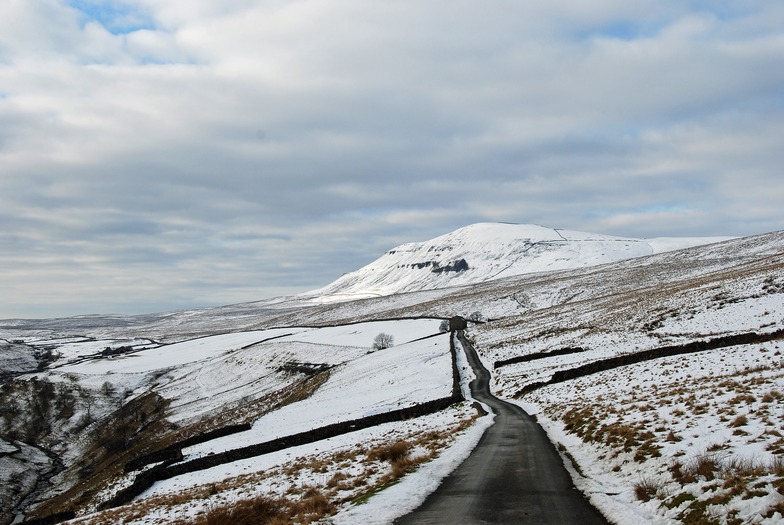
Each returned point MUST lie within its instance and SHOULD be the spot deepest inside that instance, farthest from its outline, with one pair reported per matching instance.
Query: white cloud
(182, 148)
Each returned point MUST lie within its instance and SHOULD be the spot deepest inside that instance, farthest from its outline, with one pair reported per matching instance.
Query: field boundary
(745, 338)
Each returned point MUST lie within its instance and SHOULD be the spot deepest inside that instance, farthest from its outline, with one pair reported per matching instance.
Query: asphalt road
(514, 475)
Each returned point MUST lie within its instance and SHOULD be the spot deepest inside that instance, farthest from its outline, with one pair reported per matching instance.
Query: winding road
(513, 476)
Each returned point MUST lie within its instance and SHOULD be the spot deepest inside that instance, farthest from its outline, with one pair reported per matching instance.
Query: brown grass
(739, 421)
(355, 472)
(773, 395)
(258, 511)
(100, 467)
(392, 453)
(265, 510)
(729, 477)
(646, 489)
(623, 437)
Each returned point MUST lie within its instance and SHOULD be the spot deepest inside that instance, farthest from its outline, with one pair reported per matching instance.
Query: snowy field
(204, 376)
(347, 467)
(362, 488)
(170, 356)
(718, 416)
(697, 438)
(368, 384)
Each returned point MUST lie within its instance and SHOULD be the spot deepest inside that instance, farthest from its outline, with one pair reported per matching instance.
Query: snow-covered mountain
(694, 338)
(486, 251)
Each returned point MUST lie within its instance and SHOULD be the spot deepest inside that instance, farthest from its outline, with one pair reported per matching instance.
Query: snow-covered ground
(206, 375)
(364, 382)
(168, 356)
(697, 436)
(394, 501)
(669, 440)
(365, 385)
(632, 425)
(342, 467)
(487, 251)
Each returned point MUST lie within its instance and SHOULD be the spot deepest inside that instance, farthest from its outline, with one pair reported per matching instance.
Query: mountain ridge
(485, 251)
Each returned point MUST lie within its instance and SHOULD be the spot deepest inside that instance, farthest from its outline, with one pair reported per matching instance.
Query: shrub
(383, 341)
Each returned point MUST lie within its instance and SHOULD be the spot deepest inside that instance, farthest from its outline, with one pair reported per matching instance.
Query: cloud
(190, 153)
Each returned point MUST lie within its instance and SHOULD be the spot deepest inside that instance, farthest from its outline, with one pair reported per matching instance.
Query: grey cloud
(257, 147)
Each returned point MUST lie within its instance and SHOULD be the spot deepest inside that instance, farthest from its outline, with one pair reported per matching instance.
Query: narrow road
(514, 476)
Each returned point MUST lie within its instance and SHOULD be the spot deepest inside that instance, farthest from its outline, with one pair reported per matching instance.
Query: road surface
(514, 475)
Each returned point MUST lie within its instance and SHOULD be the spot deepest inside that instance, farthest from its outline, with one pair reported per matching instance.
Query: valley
(671, 439)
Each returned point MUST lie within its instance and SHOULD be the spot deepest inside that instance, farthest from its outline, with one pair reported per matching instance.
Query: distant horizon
(164, 155)
(711, 238)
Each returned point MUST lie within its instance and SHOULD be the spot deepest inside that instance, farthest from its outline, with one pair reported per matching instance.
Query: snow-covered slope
(486, 251)
(293, 364)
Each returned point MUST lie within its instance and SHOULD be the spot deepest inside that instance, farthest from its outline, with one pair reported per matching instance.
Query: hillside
(487, 251)
(690, 431)
(491, 251)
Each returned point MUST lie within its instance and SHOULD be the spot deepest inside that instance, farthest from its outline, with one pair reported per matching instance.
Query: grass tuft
(258, 511)
(646, 489)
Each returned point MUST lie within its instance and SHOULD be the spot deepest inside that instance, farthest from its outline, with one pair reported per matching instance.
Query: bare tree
(383, 341)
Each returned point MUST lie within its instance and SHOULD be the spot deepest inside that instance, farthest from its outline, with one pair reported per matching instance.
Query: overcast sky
(163, 154)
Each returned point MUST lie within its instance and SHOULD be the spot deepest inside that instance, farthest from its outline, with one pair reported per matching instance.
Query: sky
(167, 154)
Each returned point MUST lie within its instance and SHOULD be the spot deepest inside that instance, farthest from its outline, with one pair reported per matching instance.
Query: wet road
(514, 475)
